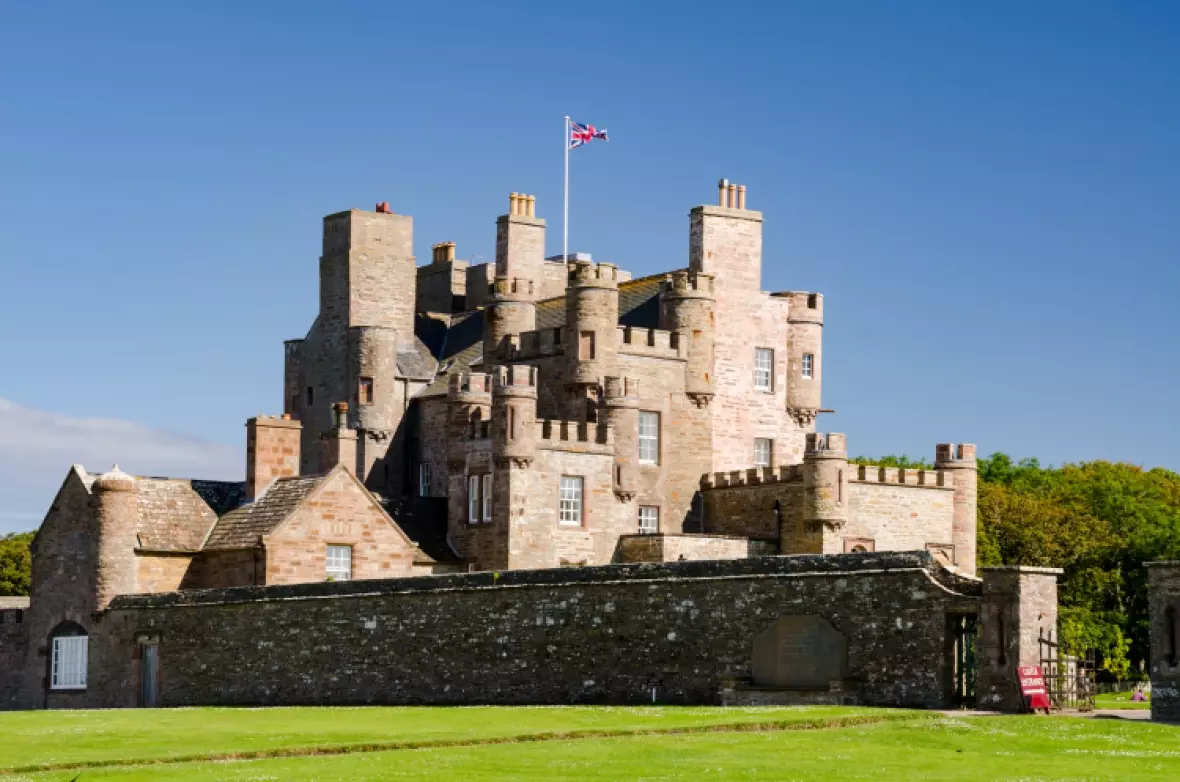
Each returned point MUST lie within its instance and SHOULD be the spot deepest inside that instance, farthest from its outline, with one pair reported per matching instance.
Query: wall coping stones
(1163, 563)
(803, 565)
(1048, 571)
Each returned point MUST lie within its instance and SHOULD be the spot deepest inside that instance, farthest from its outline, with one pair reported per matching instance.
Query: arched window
(859, 549)
(69, 657)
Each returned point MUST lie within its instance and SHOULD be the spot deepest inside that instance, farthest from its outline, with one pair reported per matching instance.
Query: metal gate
(149, 675)
(962, 633)
(1069, 675)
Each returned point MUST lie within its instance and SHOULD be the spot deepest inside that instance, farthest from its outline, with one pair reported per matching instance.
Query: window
(649, 437)
(339, 563)
(571, 500)
(763, 369)
(69, 662)
(763, 451)
(472, 499)
(364, 390)
(649, 519)
(586, 346)
(310, 396)
(487, 497)
(424, 479)
(808, 360)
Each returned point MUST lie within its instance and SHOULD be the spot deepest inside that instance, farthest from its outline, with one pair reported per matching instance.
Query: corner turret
(621, 411)
(514, 415)
(959, 460)
(825, 482)
(687, 305)
(116, 497)
(591, 323)
(805, 331)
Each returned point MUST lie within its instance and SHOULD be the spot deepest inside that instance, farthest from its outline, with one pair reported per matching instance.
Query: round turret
(117, 516)
(959, 460)
(688, 305)
(115, 480)
(514, 415)
(825, 479)
(621, 409)
(511, 310)
(591, 322)
(805, 330)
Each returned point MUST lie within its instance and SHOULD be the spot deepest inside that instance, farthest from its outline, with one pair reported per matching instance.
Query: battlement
(803, 306)
(468, 383)
(754, 476)
(589, 273)
(555, 433)
(512, 289)
(954, 452)
(656, 343)
(820, 442)
(686, 283)
(533, 344)
(515, 379)
(903, 476)
(620, 388)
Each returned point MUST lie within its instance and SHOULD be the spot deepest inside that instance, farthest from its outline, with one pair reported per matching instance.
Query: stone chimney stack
(338, 445)
(272, 452)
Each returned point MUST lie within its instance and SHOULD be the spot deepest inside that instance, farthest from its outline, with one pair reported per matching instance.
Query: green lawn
(899, 745)
(1119, 700)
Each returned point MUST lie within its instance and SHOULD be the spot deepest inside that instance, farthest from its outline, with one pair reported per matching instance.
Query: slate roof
(424, 520)
(176, 515)
(244, 526)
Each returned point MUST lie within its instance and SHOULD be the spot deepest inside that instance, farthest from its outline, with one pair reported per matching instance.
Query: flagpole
(565, 215)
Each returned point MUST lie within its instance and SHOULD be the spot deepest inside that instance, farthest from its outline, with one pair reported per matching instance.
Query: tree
(15, 563)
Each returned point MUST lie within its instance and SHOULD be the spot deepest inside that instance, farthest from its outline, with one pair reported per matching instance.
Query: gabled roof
(244, 527)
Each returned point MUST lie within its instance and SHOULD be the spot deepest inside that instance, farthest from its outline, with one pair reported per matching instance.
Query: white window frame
(769, 443)
(649, 519)
(338, 562)
(649, 437)
(486, 496)
(472, 499)
(807, 365)
(424, 479)
(764, 369)
(571, 501)
(71, 658)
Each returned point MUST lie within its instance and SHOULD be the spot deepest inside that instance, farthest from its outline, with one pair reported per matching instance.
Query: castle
(532, 414)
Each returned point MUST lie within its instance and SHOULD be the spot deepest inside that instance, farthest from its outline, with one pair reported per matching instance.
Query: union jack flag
(584, 134)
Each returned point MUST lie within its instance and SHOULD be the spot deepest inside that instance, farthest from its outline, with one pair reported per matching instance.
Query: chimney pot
(732, 196)
(741, 197)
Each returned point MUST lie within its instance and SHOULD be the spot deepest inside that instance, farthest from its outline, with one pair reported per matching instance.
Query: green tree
(15, 564)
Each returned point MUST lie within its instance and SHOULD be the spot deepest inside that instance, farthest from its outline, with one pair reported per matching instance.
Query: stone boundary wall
(14, 645)
(575, 635)
(1163, 612)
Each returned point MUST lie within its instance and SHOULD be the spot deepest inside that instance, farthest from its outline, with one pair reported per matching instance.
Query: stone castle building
(526, 414)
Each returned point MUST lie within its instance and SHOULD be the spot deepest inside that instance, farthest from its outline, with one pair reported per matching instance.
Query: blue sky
(987, 195)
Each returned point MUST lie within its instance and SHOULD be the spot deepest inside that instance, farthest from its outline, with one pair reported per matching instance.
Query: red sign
(1032, 687)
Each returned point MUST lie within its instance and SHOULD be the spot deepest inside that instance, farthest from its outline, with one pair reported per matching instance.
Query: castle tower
(520, 258)
(511, 309)
(376, 396)
(959, 461)
(825, 487)
(621, 406)
(514, 414)
(687, 307)
(339, 445)
(116, 497)
(805, 327)
(367, 272)
(591, 328)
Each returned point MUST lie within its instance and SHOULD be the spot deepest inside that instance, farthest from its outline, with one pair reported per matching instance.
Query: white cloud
(37, 447)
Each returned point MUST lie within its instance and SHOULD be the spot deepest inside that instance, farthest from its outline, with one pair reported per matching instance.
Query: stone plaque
(800, 652)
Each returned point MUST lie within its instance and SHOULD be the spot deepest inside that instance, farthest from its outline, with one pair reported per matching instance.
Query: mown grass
(977, 748)
(1118, 700)
(75, 739)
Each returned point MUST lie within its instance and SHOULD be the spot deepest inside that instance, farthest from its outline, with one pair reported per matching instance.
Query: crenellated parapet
(652, 343)
(588, 274)
(754, 476)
